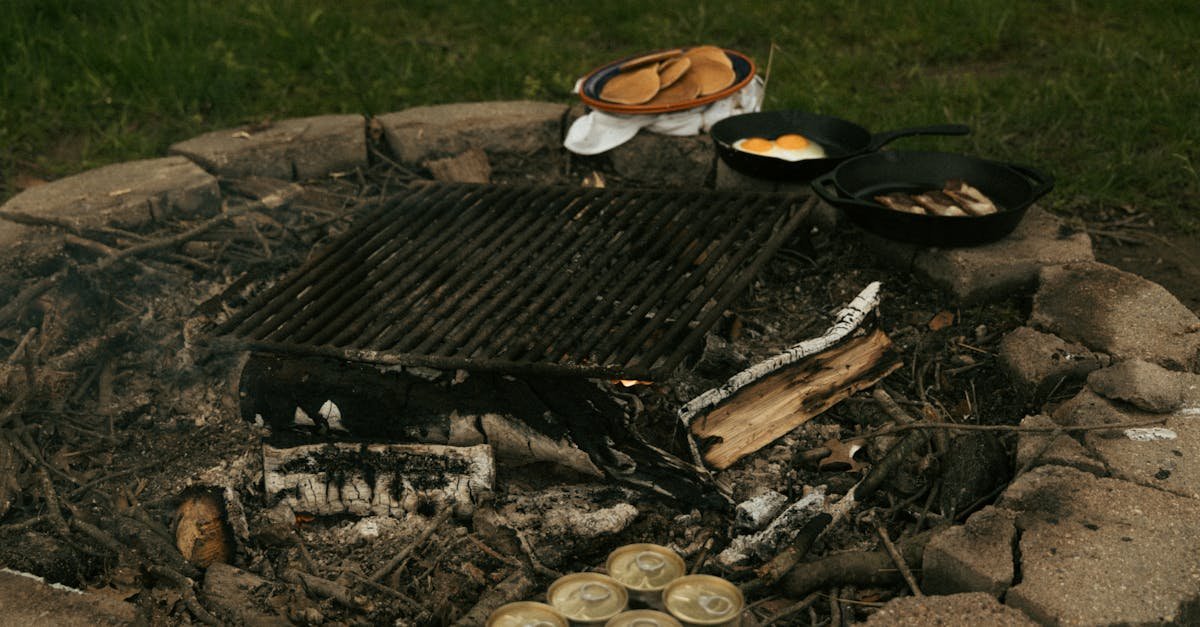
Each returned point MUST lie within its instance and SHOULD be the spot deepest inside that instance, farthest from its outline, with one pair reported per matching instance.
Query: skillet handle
(821, 185)
(879, 140)
(1042, 182)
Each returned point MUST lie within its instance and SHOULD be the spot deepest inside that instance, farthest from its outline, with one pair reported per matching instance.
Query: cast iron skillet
(852, 186)
(840, 139)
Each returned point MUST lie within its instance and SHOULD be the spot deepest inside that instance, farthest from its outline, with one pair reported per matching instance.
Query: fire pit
(133, 471)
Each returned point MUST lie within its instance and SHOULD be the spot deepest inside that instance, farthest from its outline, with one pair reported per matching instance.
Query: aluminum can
(526, 614)
(644, 570)
(642, 618)
(704, 600)
(587, 598)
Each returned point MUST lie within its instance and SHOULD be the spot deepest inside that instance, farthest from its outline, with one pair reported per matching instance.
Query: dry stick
(835, 608)
(186, 588)
(26, 295)
(860, 568)
(791, 610)
(22, 346)
(437, 521)
(324, 588)
(954, 426)
(899, 560)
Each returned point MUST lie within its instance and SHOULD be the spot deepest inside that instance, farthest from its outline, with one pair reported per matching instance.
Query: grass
(1103, 94)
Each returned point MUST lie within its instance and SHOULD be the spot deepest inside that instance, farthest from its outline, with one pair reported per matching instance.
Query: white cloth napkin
(598, 131)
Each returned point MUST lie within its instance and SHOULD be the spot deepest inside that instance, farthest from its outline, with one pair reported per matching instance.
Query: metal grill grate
(552, 280)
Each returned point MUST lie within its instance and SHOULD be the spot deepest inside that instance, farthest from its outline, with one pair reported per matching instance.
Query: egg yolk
(756, 144)
(792, 141)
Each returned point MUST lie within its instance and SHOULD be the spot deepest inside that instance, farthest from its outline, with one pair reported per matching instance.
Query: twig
(537, 564)
(899, 560)
(324, 588)
(437, 521)
(22, 346)
(954, 426)
(791, 610)
(705, 547)
(862, 568)
(186, 588)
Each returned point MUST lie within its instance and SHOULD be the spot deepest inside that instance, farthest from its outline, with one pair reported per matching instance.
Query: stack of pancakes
(670, 77)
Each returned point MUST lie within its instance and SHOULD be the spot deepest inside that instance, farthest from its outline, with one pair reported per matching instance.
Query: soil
(126, 414)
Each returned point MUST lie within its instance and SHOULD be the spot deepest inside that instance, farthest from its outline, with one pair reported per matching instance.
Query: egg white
(812, 151)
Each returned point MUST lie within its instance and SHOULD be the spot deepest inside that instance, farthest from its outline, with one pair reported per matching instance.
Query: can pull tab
(715, 604)
(649, 562)
(593, 592)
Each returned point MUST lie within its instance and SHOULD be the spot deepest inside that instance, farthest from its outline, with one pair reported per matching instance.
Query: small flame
(628, 383)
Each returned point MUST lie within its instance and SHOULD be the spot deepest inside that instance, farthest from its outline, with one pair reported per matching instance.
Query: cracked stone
(517, 136)
(976, 556)
(1033, 449)
(1117, 313)
(977, 609)
(294, 149)
(1102, 551)
(125, 195)
(1147, 386)
(992, 271)
(1040, 363)
(28, 600)
(1164, 456)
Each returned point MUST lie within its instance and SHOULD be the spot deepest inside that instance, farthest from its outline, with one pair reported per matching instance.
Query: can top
(526, 614)
(703, 600)
(644, 566)
(643, 618)
(587, 597)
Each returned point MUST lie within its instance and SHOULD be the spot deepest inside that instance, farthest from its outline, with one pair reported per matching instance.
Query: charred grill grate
(550, 280)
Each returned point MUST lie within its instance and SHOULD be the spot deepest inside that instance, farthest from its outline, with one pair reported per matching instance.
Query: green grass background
(1103, 94)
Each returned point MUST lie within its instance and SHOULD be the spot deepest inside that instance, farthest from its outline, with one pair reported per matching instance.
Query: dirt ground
(113, 414)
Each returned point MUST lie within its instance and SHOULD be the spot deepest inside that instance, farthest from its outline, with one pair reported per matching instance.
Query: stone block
(991, 271)
(1147, 386)
(976, 609)
(125, 195)
(653, 160)
(521, 138)
(27, 600)
(973, 557)
(1118, 313)
(293, 149)
(1040, 363)
(1102, 551)
(1037, 449)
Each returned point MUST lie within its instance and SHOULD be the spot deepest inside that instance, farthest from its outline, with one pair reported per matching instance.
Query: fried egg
(789, 147)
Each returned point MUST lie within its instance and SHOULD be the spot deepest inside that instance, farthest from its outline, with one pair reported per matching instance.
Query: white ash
(758, 512)
(781, 532)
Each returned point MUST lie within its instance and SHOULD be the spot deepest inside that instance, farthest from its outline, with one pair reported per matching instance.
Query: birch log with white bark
(379, 479)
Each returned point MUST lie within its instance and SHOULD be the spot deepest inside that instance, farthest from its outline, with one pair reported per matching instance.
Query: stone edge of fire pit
(529, 134)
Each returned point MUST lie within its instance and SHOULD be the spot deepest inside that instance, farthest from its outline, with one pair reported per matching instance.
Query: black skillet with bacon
(962, 200)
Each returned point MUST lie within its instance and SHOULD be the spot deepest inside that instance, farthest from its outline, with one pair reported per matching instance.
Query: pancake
(682, 90)
(712, 76)
(635, 87)
(647, 59)
(712, 53)
(670, 70)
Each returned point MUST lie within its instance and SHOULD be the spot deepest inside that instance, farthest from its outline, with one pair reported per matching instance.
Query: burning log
(568, 421)
(381, 479)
